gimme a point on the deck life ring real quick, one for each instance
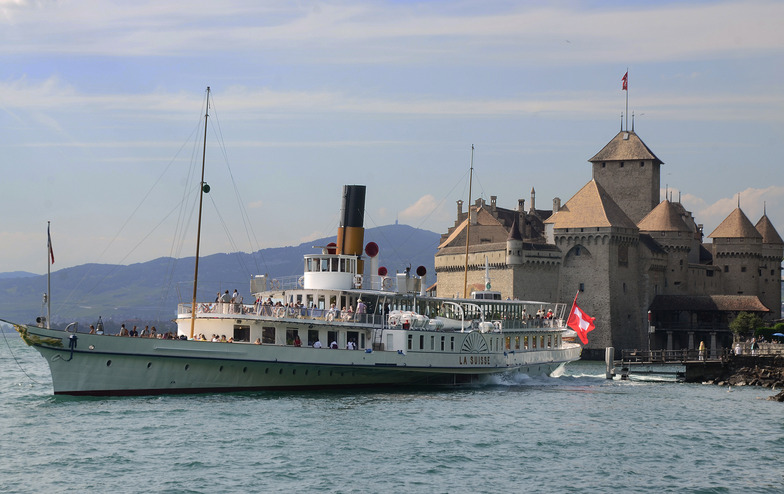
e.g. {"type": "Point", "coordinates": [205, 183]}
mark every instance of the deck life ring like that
{"type": "Point", "coordinates": [204, 308]}
{"type": "Point", "coordinates": [276, 284]}
{"type": "Point", "coordinates": [301, 281]}
{"type": "Point", "coordinates": [386, 283]}
{"type": "Point", "coordinates": [280, 312]}
{"type": "Point", "coordinates": [330, 316]}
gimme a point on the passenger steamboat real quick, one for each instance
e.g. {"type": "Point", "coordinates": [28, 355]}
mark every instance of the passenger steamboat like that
{"type": "Point", "coordinates": [337, 325]}
{"type": "Point", "coordinates": [331, 327]}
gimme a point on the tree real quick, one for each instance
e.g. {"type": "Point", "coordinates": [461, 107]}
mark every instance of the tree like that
{"type": "Point", "coordinates": [745, 323]}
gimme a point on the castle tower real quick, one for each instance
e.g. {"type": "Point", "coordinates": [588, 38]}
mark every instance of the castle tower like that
{"type": "Point", "coordinates": [600, 248]}
{"type": "Point", "coordinates": [770, 265]}
{"type": "Point", "coordinates": [665, 225]}
{"type": "Point", "coordinates": [629, 172]}
{"type": "Point", "coordinates": [514, 246]}
{"type": "Point", "coordinates": [737, 250]}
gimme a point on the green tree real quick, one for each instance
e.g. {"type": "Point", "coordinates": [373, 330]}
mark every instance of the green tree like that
{"type": "Point", "coordinates": [745, 323]}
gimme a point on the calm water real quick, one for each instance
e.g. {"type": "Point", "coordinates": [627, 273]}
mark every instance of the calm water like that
{"type": "Point", "coordinates": [575, 433]}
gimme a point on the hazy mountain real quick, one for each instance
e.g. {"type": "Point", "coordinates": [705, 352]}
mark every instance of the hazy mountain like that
{"type": "Point", "coordinates": [16, 274]}
{"type": "Point", "coordinates": [150, 291]}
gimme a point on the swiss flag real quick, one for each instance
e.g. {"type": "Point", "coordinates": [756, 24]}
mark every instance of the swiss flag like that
{"type": "Point", "coordinates": [581, 322]}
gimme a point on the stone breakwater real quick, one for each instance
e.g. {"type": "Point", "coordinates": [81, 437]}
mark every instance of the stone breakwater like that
{"type": "Point", "coordinates": [747, 370]}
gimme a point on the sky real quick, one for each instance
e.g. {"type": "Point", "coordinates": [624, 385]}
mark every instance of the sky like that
{"type": "Point", "coordinates": [101, 103]}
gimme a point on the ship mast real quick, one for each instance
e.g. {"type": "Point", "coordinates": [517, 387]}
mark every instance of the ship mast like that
{"type": "Point", "coordinates": [468, 226]}
{"type": "Point", "coordinates": [203, 187]}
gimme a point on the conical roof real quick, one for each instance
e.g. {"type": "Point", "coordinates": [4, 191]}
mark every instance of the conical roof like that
{"type": "Point", "coordinates": [626, 146]}
{"type": "Point", "coordinates": [736, 225]}
{"type": "Point", "coordinates": [590, 207]}
{"type": "Point", "coordinates": [514, 232]}
{"type": "Point", "coordinates": [768, 232]}
{"type": "Point", "coordinates": [665, 217]}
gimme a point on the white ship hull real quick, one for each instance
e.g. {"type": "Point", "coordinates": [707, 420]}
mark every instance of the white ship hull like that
{"type": "Point", "coordinates": [112, 365]}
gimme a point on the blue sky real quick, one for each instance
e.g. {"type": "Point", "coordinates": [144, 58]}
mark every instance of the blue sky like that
{"type": "Point", "coordinates": [98, 101]}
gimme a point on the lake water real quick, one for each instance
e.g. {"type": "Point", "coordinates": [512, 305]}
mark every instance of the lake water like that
{"type": "Point", "coordinates": [575, 433]}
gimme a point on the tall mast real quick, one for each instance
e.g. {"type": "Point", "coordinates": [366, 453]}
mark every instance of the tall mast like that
{"type": "Point", "coordinates": [202, 187]}
{"type": "Point", "coordinates": [468, 226]}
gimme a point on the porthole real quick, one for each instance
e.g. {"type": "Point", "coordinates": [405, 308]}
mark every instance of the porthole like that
{"type": "Point", "coordinates": [108, 363]}
{"type": "Point", "coordinates": [187, 366]}
{"type": "Point", "coordinates": [149, 364]}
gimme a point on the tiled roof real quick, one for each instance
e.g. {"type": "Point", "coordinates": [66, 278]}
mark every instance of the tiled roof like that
{"type": "Point", "coordinates": [625, 146]}
{"type": "Point", "coordinates": [736, 225]}
{"type": "Point", "coordinates": [768, 232]}
{"type": "Point", "coordinates": [590, 207]}
{"type": "Point", "coordinates": [726, 303]}
{"type": "Point", "coordinates": [486, 227]}
{"type": "Point", "coordinates": [665, 217]}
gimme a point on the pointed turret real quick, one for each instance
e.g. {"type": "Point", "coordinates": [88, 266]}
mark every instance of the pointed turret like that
{"type": "Point", "coordinates": [737, 249]}
{"type": "Point", "coordinates": [514, 246]}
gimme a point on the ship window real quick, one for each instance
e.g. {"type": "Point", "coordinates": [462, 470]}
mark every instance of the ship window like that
{"type": "Point", "coordinates": [432, 343]}
{"type": "Point", "coordinates": [421, 342]}
{"type": "Point", "coordinates": [508, 342]}
{"type": "Point", "coordinates": [452, 343]}
{"type": "Point", "coordinates": [325, 264]}
{"type": "Point", "coordinates": [533, 341]}
{"type": "Point", "coordinates": [332, 336]}
{"type": "Point", "coordinates": [268, 335]}
{"type": "Point", "coordinates": [410, 341]}
{"type": "Point", "coordinates": [291, 335]}
{"type": "Point", "coordinates": [241, 333]}
{"type": "Point", "coordinates": [443, 343]}
{"type": "Point", "coordinates": [342, 265]}
{"type": "Point", "coordinates": [517, 342]}
{"type": "Point", "coordinates": [541, 341]}
{"type": "Point", "coordinates": [525, 342]}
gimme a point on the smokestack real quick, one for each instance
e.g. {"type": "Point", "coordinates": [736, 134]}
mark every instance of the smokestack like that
{"type": "Point", "coordinates": [351, 232]}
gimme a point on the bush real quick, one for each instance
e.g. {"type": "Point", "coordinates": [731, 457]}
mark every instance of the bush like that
{"type": "Point", "coordinates": [745, 323]}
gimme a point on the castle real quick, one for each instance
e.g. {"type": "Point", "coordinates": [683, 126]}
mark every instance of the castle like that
{"type": "Point", "coordinates": [639, 265]}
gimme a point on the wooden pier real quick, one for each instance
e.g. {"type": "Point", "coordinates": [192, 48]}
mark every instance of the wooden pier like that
{"type": "Point", "coordinates": [681, 365]}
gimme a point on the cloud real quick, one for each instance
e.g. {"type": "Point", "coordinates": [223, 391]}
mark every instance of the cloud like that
{"type": "Point", "coordinates": [394, 32]}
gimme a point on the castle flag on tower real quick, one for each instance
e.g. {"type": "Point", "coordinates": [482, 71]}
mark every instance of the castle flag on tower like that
{"type": "Point", "coordinates": [625, 80]}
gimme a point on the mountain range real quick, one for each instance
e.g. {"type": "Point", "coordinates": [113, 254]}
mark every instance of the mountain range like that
{"type": "Point", "coordinates": [149, 292]}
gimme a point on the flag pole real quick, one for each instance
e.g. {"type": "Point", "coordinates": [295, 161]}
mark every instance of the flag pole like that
{"type": "Point", "coordinates": [627, 105]}
{"type": "Point", "coordinates": [48, 277]}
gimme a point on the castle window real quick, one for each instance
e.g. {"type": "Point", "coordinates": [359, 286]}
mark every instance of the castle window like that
{"type": "Point", "coordinates": [621, 164]}
{"type": "Point", "coordinates": [604, 164]}
{"type": "Point", "coordinates": [709, 274]}
{"type": "Point", "coordinates": [642, 164]}
{"type": "Point", "coordinates": [726, 269]}
{"type": "Point", "coordinates": [582, 287]}
{"type": "Point", "coordinates": [577, 250]}
{"type": "Point", "coordinates": [743, 269]}
{"type": "Point", "coordinates": [772, 272]}
{"type": "Point", "coordinates": [624, 288]}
